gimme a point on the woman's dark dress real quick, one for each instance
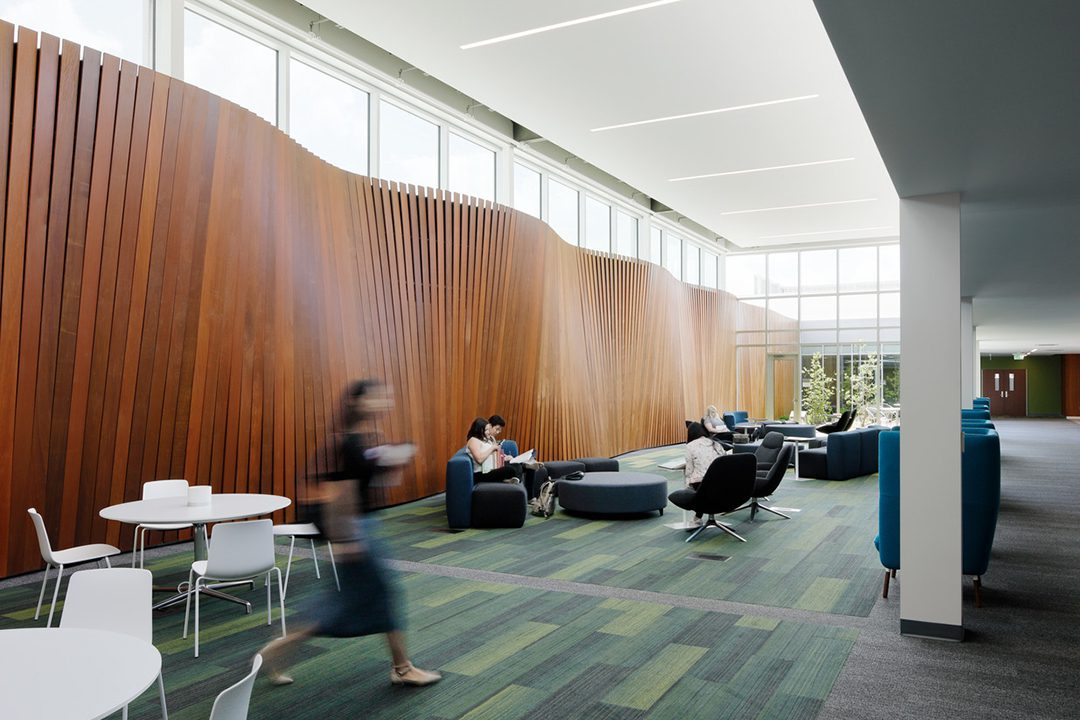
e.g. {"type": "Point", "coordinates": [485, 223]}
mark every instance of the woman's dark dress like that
{"type": "Point", "coordinates": [367, 603]}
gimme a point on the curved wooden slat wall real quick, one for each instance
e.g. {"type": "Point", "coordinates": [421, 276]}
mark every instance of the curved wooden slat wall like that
{"type": "Point", "coordinates": [185, 291]}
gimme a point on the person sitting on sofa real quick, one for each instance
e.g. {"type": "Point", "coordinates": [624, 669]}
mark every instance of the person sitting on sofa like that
{"type": "Point", "coordinates": [497, 425]}
{"type": "Point", "coordinates": [489, 462]}
{"type": "Point", "coordinates": [714, 423]}
{"type": "Point", "coordinates": [701, 450]}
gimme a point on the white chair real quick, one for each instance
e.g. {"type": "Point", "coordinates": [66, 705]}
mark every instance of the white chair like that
{"type": "Point", "coordinates": [238, 551]}
{"type": "Point", "coordinates": [61, 558]}
{"type": "Point", "coordinates": [310, 531]}
{"type": "Point", "coordinates": [117, 600]}
{"type": "Point", "coordinates": [232, 702]}
{"type": "Point", "coordinates": [151, 490]}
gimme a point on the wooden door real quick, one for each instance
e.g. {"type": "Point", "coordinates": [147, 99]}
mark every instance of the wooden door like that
{"type": "Point", "coordinates": [1007, 390]}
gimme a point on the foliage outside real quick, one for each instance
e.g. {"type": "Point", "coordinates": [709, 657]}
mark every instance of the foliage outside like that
{"type": "Point", "coordinates": [817, 397]}
{"type": "Point", "coordinates": [862, 389]}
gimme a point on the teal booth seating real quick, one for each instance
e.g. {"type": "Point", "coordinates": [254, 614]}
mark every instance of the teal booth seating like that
{"type": "Point", "coordinates": [848, 454]}
{"type": "Point", "coordinates": [731, 419]}
{"type": "Point", "coordinates": [974, 414]}
{"type": "Point", "coordinates": [980, 501]}
{"type": "Point", "coordinates": [487, 504]}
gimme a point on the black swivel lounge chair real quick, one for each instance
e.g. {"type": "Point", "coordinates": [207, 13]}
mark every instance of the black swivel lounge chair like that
{"type": "Point", "coordinates": [768, 451]}
{"type": "Point", "coordinates": [841, 423]}
{"type": "Point", "coordinates": [767, 483]}
{"type": "Point", "coordinates": [728, 483]}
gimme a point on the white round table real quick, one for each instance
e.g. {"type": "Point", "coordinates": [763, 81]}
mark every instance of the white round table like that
{"type": "Point", "coordinates": [48, 673]}
{"type": "Point", "coordinates": [223, 506]}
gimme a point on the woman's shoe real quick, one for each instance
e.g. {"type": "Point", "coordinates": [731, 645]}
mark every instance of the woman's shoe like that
{"type": "Point", "coordinates": [408, 674]}
{"type": "Point", "coordinates": [277, 678]}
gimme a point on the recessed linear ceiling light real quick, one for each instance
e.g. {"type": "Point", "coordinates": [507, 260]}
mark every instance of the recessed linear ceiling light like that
{"type": "Point", "coordinates": [568, 23]}
{"type": "Point", "coordinates": [795, 207]}
{"type": "Point", "coordinates": [760, 169]}
{"type": "Point", "coordinates": [705, 112]}
{"type": "Point", "coordinates": [826, 232]}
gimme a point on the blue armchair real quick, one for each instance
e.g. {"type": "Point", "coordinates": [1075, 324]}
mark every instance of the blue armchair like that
{"type": "Point", "coordinates": [974, 414]}
{"type": "Point", "coordinates": [839, 459]}
{"type": "Point", "coordinates": [980, 500]}
{"type": "Point", "coordinates": [485, 504]}
{"type": "Point", "coordinates": [731, 419]}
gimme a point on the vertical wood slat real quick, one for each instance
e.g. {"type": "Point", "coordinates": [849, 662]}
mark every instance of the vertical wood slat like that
{"type": "Point", "coordinates": [195, 290]}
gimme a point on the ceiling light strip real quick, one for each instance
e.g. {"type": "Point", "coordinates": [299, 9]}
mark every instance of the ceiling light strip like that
{"type": "Point", "coordinates": [826, 232]}
{"type": "Point", "coordinates": [706, 112]}
{"type": "Point", "coordinates": [568, 23]}
{"type": "Point", "coordinates": [760, 169]}
{"type": "Point", "coordinates": [796, 207]}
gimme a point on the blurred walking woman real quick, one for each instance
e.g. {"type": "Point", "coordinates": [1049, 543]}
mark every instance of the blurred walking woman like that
{"type": "Point", "coordinates": [368, 603]}
{"type": "Point", "coordinates": [489, 462]}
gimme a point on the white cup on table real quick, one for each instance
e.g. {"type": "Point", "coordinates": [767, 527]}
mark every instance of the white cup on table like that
{"type": "Point", "coordinates": [198, 495]}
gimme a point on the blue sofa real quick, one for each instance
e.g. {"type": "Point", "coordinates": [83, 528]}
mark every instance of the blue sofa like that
{"type": "Point", "coordinates": [980, 501]}
{"type": "Point", "coordinates": [731, 419]}
{"type": "Point", "coordinates": [488, 504]}
{"type": "Point", "coordinates": [848, 454]}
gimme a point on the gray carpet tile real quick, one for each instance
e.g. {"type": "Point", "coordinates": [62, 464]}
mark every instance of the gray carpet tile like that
{"type": "Point", "coordinates": [1022, 648]}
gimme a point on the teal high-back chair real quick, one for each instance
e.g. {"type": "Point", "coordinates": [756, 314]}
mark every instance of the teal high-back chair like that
{"type": "Point", "coordinates": [980, 501]}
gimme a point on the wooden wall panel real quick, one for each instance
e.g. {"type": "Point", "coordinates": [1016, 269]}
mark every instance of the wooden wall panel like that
{"type": "Point", "coordinates": [1070, 385]}
{"type": "Point", "coordinates": [186, 291]}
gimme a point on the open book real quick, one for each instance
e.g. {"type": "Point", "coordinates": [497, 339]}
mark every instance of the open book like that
{"type": "Point", "coordinates": [524, 457]}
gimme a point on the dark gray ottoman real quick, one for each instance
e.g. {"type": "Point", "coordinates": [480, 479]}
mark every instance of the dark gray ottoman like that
{"type": "Point", "coordinates": [559, 468]}
{"type": "Point", "coordinates": [598, 464]}
{"type": "Point", "coordinates": [498, 505]}
{"type": "Point", "coordinates": [613, 493]}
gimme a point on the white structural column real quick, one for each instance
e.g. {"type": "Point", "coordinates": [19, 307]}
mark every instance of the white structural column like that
{"type": "Point", "coordinates": [968, 352]}
{"type": "Point", "coordinates": [930, 391]}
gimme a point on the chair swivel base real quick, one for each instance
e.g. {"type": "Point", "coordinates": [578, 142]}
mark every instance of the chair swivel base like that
{"type": "Point", "coordinates": [754, 506]}
{"type": "Point", "coordinates": [712, 522]}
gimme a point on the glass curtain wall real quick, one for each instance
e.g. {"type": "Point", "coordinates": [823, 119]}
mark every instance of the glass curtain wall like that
{"type": "Point", "coordinates": [844, 304]}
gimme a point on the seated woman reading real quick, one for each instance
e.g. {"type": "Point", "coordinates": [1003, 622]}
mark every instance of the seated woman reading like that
{"type": "Point", "coordinates": [489, 462]}
{"type": "Point", "coordinates": [701, 450]}
{"type": "Point", "coordinates": [714, 423]}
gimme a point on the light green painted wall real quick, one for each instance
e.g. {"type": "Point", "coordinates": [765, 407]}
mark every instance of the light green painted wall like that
{"type": "Point", "coordinates": [1043, 380]}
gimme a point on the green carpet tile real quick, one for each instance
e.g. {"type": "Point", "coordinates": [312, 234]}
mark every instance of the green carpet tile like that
{"type": "Point", "coordinates": [505, 651]}
{"type": "Point", "coordinates": [823, 559]}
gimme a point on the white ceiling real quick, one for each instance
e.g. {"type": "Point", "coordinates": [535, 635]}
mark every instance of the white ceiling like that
{"type": "Point", "coordinates": [685, 57]}
{"type": "Point", "coordinates": [982, 98]}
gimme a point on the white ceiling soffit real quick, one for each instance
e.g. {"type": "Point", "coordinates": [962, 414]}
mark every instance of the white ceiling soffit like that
{"type": "Point", "coordinates": [825, 180]}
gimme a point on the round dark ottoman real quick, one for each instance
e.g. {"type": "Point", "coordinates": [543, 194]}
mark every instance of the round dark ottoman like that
{"type": "Point", "coordinates": [559, 468]}
{"type": "Point", "coordinates": [598, 464]}
{"type": "Point", "coordinates": [614, 493]}
{"type": "Point", "coordinates": [498, 505]}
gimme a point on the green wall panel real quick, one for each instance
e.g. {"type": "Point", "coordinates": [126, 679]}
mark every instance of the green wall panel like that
{"type": "Point", "coordinates": [1043, 380]}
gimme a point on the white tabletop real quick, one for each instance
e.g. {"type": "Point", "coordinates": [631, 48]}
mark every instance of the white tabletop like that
{"type": "Point", "coordinates": [225, 506]}
{"type": "Point", "coordinates": [48, 673]}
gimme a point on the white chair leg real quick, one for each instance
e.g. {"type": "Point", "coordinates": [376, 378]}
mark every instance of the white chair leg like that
{"type": "Point", "coordinates": [333, 565]}
{"type": "Point", "coordinates": [288, 565]}
{"type": "Point", "coordinates": [281, 600]}
{"type": "Point", "coordinates": [197, 593]}
{"type": "Point", "coordinates": [41, 595]}
{"type": "Point", "coordinates": [187, 600]}
{"type": "Point", "coordinates": [161, 691]}
{"type": "Point", "coordinates": [55, 592]}
{"type": "Point", "coordinates": [124, 713]}
{"type": "Point", "coordinates": [315, 559]}
{"type": "Point", "coordinates": [107, 563]}
{"type": "Point", "coordinates": [135, 545]}
{"type": "Point", "coordinates": [267, 583]}
{"type": "Point", "coordinates": [142, 548]}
